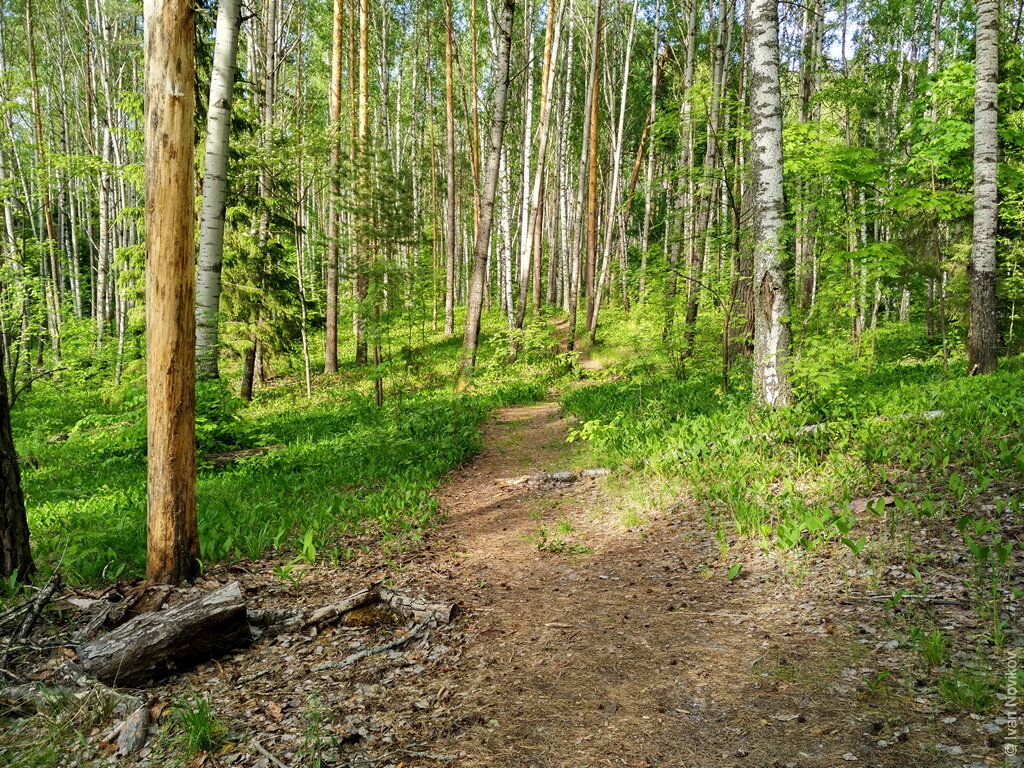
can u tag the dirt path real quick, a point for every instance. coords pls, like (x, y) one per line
(597, 630)
(592, 644)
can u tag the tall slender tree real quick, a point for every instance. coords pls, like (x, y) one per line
(490, 186)
(215, 187)
(983, 340)
(172, 530)
(771, 331)
(333, 214)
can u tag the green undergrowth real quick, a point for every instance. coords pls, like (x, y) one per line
(885, 450)
(347, 467)
(768, 475)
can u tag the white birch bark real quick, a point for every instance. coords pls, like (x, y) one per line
(215, 187)
(771, 333)
(984, 338)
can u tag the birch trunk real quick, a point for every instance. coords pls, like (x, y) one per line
(333, 215)
(449, 117)
(215, 187)
(613, 195)
(530, 240)
(592, 142)
(479, 272)
(771, 305)
(982, 343)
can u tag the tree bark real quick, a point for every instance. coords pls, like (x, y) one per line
(215, 186)
(173, 538)
(983, 340)
(479, 274)
(449, 117)
(771, 305)
(333, 215)
(530, 240)
(15, 552)
(156, 644)
(592, 142)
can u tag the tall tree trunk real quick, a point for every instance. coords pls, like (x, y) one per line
(53, 288)
(172, 532)
(15, 552)
(333, 214)
(363, 144)
(982, 343)
(613, 195)
(771, 332)
(449, 116)
(592, 143)
(710, 179)
(683, 197)
(215, 187)
(300, 208)
(490, 185)
(530, 240)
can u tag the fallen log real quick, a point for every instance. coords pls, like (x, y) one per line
(419, 610)
(228, 457)
(156, 644)
(555, 479)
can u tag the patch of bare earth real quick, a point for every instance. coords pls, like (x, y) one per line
(630, 654)
(580, 643)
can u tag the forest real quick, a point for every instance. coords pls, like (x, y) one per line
(561, 384)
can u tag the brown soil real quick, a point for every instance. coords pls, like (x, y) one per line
(586, 639)
(635, 652)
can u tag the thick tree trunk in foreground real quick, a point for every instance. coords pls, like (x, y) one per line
(479, 274)
(154, 645)
(215, 187)
(173, 538)
(984, 335)
(15, 553)
(771, 305)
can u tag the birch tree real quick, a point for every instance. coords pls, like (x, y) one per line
(215, 187)
(490, 185)
(984, 334)
(771, 304)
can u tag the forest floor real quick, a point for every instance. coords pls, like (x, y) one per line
(589, 634)
(587, 637)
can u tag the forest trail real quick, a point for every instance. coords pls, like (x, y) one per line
(593, 644)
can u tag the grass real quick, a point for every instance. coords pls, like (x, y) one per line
(755, 471)
(348, 468)
(755, 474)
(197, 727)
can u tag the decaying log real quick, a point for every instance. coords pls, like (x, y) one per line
(556, 478)
(419, 610)
(407, 605)
(343, 606)
(228, 457)
(28, 698)
(156, 644)
(397, 642)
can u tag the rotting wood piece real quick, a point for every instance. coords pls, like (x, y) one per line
(416, 608)
(156, 644)
(556, 478)
(229, 457)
